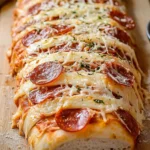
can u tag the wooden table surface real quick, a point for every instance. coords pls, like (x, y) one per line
(9, 139)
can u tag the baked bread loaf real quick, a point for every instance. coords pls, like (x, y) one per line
(78, 79)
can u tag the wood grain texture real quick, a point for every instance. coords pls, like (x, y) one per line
(9, 138)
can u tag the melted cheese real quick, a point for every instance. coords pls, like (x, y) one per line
(82, 79)
(58, 40)
(82, 11)
(67, 57)
(51, 107)
(81, 26)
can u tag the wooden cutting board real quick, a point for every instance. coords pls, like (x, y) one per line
(9, 138)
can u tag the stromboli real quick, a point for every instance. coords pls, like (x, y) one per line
(77, 74)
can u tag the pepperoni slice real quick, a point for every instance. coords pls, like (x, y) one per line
(123, 37)
(119, 74)
(113, 51)
(117, 33)
(47, 5)
(34, 9)
(72, 120)
(116, 3)
(39, 95)
(35, 36)
(123, 19)
(128, 121)
(54, 18)
(45, 73)
(30, 38)
(62, 29)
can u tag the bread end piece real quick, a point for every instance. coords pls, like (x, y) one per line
(110, 135)
(95, 144)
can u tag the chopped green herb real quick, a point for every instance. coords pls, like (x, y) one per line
(84, 16)
(102, 55)
(78, 89)
(96, 8)
(91, 44)
(79, 73)
(74, 38)
(38, 46)
(82, 65)
(74, 12)
(91, 73)
(98, 47)
(98, 101)
(99, 17)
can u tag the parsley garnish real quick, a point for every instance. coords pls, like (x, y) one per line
(91, 73)
(98, 101)
(78, 89)
(74, 38)
(99, 17)
(91, 44)
(102, 55)
(82, 65)
(79, 73)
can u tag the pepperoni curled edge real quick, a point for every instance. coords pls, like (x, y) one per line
(37, 96)
(45, 73)
(47, 5)
(34, 36)
(117, 33)
(72, 120)
(128, 121)
(123, 19)
(114, 2)
(119, 74)
(34, 9)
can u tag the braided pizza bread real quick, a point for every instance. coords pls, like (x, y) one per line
(78, 79)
